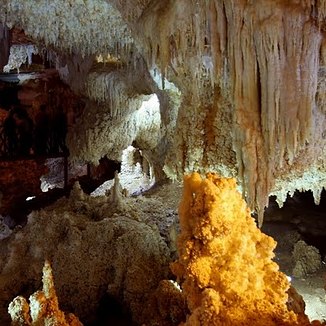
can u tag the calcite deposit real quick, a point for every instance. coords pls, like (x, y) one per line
(307, 259)
(234, 87)
(94, 249)
(43, 308)
(225, 264)
(240, 84)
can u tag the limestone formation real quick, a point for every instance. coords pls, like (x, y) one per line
(93, 252)
(248, 77)
(307, 259)
(43, 308)
(225, 264)
(233, 87)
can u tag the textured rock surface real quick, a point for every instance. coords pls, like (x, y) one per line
(307, 259)
(93, 251)
(249, 75)
(43, 307)
(241, 86)
(19, 180)
(218, 234)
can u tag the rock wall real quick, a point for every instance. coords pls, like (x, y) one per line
(250, 75)
(267, 58)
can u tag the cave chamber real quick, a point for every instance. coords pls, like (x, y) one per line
(218, 105)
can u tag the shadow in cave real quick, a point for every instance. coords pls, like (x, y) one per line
(16, 214)
(97, 175)
(300, 213)
(22, 208)
(111, 312)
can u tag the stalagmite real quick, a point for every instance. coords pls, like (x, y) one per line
(225, 262)
(43, 309)
(116, 193)
(238, 88)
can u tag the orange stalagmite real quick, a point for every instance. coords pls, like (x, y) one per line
(43, 308)
(225, 262)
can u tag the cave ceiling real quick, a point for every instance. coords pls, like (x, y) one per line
(241, 84)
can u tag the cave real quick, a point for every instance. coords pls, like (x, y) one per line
(162, 162)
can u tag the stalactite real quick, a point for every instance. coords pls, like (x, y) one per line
(74, 69)
(97, 134)
(19, 55)
(275, 68)
(267, 54)
(71, 26)
(111, 88)
(118, 90)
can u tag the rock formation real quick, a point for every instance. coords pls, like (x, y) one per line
(233, 87)
(94, 251)
(43, 308)
(240, 85)
(225, 262)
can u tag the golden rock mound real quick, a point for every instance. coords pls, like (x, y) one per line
(43, 309)
(225, 262)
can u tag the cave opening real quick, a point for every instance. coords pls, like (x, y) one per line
(23, 161)
(301, 213)
(135, 174)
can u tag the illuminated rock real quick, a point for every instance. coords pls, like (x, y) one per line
(225, 262)
(43, 309)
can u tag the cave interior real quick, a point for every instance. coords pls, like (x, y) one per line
(106, 106)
